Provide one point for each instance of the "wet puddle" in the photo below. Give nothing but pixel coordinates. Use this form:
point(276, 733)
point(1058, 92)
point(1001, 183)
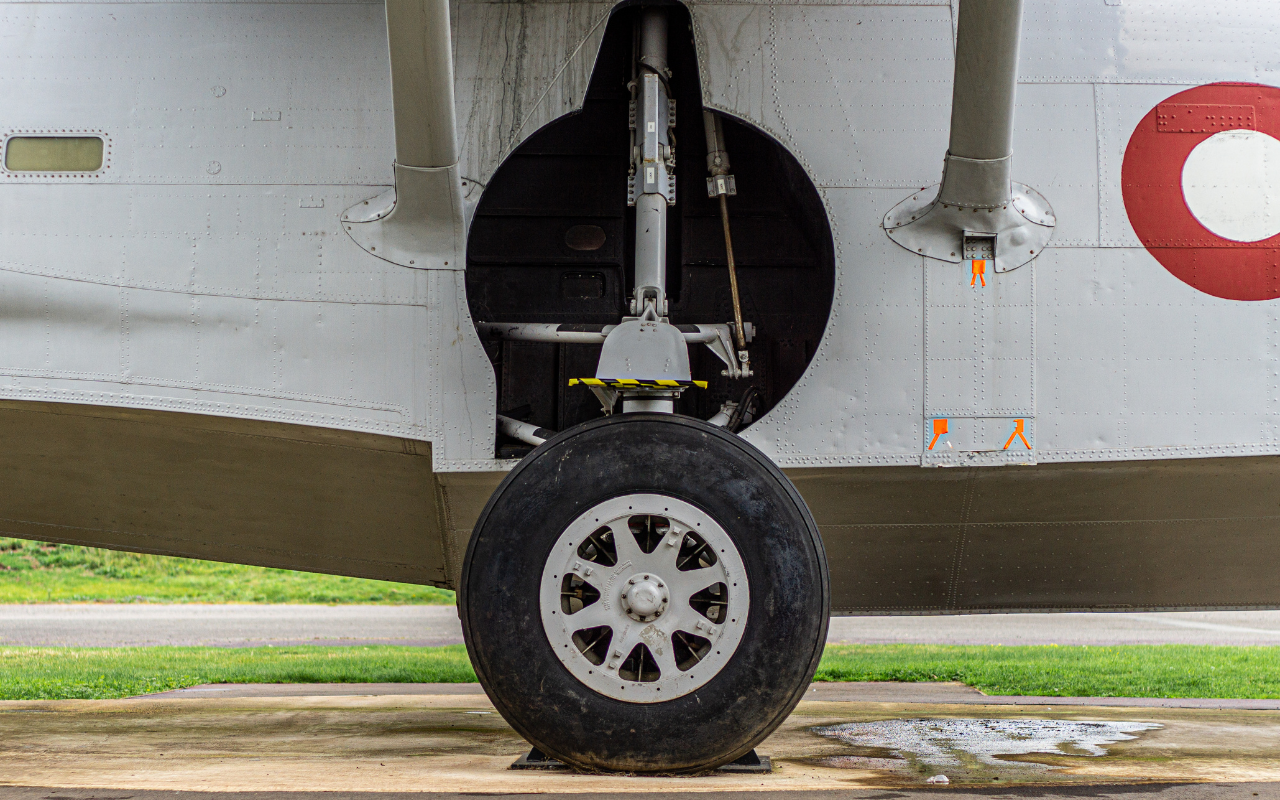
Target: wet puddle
point(973, 747)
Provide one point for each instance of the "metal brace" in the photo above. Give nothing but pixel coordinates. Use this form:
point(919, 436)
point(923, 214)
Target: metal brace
point(607, 396)
point(668, 190)
point(722, 346)
point(722, 184)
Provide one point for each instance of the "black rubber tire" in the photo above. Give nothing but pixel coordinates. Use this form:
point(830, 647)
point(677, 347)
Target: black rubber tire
point(663, 454)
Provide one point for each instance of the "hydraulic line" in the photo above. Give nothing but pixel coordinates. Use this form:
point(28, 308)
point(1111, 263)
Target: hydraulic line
point(722, 184)
point(738, 330)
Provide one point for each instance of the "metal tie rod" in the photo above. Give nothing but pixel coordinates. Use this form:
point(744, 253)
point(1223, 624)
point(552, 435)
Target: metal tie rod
point(577, 334)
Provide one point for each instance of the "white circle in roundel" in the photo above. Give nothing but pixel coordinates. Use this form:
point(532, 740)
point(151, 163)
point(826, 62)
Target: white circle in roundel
point(1231, 184)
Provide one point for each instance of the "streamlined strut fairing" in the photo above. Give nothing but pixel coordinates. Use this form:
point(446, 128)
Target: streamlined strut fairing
point(539, 302)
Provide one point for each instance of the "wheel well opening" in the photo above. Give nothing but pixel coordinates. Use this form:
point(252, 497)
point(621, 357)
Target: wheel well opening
point(552, 242)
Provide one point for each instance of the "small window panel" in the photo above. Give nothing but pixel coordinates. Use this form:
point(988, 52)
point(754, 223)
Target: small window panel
point(56, 154)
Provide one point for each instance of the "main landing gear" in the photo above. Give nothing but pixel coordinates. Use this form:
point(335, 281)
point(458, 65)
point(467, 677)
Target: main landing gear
point(645, 593)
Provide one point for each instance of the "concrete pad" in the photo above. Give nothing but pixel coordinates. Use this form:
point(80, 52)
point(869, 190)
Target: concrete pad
point(903, 693)
point(315, 690)
point(847, 691)
point(1162, 791)
point(457, 743)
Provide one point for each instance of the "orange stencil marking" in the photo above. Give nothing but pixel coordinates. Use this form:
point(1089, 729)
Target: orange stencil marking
point(1019, 428)
point(979, 271)
point(939, 430)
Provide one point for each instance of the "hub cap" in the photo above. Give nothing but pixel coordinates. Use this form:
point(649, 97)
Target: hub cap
point(644, 598)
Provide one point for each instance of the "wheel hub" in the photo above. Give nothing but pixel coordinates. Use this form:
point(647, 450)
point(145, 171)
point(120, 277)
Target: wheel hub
point(645, 597)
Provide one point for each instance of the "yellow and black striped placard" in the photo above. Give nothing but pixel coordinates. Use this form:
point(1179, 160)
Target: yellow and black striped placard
point(632, 383)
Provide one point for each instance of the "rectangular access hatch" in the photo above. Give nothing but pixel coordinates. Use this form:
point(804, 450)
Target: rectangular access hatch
point(1203, 118)
point(53, 153)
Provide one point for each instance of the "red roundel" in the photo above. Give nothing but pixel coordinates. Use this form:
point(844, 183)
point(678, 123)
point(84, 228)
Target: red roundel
point(1201, 181)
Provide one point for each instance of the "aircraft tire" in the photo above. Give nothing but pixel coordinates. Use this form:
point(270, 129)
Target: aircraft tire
point(731, 659)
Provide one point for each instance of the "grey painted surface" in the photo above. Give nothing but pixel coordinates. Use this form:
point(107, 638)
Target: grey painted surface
point(1111, 359)
point(205, 269)
point(111, 625)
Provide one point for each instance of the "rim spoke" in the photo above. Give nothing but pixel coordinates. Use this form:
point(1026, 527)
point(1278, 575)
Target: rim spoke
point(624, 641)
point(666, 658)
point(624, 541)
point(666, 555)
point(686, 584)
point(592, 616)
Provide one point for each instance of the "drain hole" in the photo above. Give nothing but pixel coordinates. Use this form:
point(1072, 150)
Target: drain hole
point(712, 602)
point(689, 649)
point(695, 553)
point(576, 594)
point(640, 666)
point(648, 530)
point(594, 643)
point(599, 548)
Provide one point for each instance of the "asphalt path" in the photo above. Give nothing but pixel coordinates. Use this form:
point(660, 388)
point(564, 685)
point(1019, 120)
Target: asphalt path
point(145, 624)
point(119, 625)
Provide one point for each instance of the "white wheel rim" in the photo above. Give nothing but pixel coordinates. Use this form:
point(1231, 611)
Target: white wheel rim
point(666, 610)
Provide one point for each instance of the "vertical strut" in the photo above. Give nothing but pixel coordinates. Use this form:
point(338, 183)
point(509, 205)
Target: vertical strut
point(1017, 222)
point(986, 78)
point(654, 183)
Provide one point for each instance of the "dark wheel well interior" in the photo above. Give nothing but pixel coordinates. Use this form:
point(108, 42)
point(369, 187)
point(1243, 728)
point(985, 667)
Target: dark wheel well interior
point(551, 241)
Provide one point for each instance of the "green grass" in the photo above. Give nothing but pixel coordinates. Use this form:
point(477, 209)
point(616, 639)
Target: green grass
point(35, 572)
point(1126, 671)
point(57, 673)
point(1131, 671)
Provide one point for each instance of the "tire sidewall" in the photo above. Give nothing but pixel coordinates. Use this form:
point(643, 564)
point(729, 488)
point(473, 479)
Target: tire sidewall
point(678, 457)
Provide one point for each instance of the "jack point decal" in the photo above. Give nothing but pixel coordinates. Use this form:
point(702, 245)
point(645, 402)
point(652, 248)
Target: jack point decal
point(939, 431)
point(979, 272)
point(1019, 432)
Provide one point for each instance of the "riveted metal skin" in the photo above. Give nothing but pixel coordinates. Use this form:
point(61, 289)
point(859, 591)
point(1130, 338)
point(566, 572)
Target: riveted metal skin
point(205, 278)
